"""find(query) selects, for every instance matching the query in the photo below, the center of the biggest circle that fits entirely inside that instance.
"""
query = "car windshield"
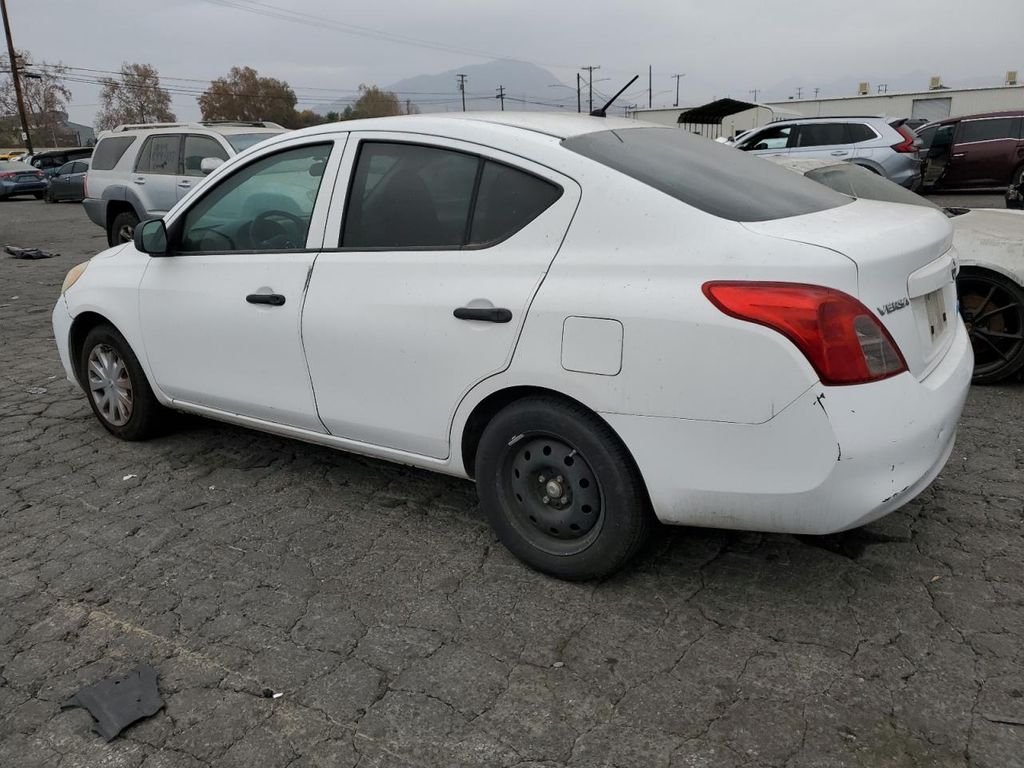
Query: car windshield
(240, 141)
(712, 177)
(855, 181)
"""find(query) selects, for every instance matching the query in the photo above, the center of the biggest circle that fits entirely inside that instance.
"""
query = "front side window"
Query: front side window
(771, 138)
(988, 130)
(160, 154)
(821, 134)
(65, 169)
(412, 196)
(265, 206)
(197, 148)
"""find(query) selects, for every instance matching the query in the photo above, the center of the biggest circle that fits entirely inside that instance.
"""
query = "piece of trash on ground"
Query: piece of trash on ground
(269, 694)
(37, 391)
(126, 478)
(117, 702)
(28, 253)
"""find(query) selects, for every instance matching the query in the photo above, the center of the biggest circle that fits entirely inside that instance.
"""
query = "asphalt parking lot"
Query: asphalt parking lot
(377, 602)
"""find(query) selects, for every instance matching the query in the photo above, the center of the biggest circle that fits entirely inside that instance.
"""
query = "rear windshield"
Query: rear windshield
(855, 181)
(109, 151)
(713, 177)
(240, 141)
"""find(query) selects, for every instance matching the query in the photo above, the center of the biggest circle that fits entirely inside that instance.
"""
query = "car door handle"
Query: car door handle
(273, 299)
(487, 314)
(839, 153)
(959, 154)
(139, 180)
(184, 183)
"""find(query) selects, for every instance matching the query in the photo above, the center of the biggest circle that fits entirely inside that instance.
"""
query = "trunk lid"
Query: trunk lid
(905, 268)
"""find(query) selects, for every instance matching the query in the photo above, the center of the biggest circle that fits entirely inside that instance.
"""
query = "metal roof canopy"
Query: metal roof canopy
(713, 112)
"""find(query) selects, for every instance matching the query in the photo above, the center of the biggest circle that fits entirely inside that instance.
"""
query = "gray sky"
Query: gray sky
(725, 48)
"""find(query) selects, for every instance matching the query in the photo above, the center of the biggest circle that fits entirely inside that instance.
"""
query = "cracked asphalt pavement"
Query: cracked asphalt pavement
(375, 599)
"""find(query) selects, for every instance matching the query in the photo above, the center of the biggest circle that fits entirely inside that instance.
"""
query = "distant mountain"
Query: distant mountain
(527, 86)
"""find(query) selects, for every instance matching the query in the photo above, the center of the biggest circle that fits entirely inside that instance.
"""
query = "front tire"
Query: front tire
(560, 489)
(122, 228)
(118, 392)
(992, 307)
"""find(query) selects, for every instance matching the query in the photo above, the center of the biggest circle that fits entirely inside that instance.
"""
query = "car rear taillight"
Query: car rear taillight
(839, 336)
(7, 175)
(909, 143)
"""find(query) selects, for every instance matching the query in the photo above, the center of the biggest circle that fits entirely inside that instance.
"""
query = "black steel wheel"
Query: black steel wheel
(992, 307)
(561, 490)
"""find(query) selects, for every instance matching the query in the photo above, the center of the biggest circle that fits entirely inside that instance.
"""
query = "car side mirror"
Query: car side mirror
(151, 237)
(209, 164)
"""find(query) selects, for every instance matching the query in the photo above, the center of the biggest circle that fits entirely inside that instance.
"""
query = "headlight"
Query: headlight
(73, 275)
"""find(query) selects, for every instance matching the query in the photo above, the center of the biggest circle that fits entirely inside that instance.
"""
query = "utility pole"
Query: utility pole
(816, 92)
(883, 87)
(462, 89)
(754, 93)
(579, 105)
(590, 70)
(16, 78)
(799, 91)
(650, 86)
(408, 106)
(501, 95)
(677, 88)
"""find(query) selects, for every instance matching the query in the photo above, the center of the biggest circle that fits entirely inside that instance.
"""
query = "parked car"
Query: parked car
(990, 248)
(68, 183)
(12, 155)
(602, 322)
(140, 171)
(880, 144)
(51, 160)
(976, 152)
(20, 179)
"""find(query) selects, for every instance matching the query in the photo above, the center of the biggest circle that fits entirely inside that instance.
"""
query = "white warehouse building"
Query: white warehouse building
(931, 104)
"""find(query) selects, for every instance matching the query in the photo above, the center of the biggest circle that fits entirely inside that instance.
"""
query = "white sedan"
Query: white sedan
(990, 244)
(602, 323)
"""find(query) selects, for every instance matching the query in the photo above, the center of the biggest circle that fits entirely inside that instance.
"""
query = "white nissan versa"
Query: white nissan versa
(601, 322)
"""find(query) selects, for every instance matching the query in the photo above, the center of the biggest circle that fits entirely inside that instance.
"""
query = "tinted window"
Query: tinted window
(408, 196)
(240, 141)
(856, 132)
(109, 151)
(986, 130)
(508, 200)
(65, 169)
(264, 206)
(855, 181)
(821, 134)
(159, 155)
(197, 148)
(705, 174)
(771, 138)
(926, 135)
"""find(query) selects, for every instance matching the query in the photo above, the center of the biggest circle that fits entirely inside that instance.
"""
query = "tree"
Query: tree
(46, 98)
(374, 102)
(244, 95)
(134, 97)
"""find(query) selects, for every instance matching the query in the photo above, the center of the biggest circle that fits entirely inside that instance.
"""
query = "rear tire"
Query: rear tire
(560, 489)
(41, 196)
(992, 307)
(118, 392)
(122, 228)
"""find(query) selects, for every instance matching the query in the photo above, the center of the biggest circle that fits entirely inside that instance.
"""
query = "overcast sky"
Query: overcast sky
(725, 48)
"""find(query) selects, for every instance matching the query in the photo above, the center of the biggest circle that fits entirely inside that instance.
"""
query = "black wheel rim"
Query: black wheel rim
(552, 495)
(994, 317)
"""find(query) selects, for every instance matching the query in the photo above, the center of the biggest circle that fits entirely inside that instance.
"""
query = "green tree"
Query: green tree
(375, 102)
(134, 97)
(244, 95)
(46, 100)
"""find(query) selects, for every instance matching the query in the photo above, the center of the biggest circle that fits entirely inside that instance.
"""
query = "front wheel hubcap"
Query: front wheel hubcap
(110, 386)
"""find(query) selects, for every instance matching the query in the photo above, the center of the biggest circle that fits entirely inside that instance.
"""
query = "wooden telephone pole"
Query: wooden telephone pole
(16, 78)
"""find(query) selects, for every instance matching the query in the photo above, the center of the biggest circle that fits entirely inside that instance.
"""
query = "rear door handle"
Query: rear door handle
(139, 180)
(839, 153)
(488, 314)
(184, 183)
(959, 154)
(273, 299)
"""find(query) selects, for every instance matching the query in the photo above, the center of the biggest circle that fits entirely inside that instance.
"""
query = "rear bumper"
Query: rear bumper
(11, 188)
(96, 210)
(836, 458)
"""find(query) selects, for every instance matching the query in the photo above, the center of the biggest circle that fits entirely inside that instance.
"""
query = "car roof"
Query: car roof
(979, 116)
(832, 118)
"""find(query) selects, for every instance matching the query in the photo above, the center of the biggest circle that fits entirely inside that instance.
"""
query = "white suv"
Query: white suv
(141, 171)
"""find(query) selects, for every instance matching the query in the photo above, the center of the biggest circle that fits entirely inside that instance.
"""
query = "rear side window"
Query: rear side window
(406, 196)
(109, 151)
(160, 154)
(988, 130)
(705, 174)
(196, 149)
(66, 169)
(821, 134)
(857, 132)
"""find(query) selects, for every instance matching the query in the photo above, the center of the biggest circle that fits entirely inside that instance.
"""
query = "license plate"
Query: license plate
(938, 317)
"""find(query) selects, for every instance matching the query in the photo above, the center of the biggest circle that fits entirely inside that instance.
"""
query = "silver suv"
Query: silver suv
(141, 171)
(880, 144)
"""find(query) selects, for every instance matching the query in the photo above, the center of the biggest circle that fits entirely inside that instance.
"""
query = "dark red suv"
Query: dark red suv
(974, 152)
